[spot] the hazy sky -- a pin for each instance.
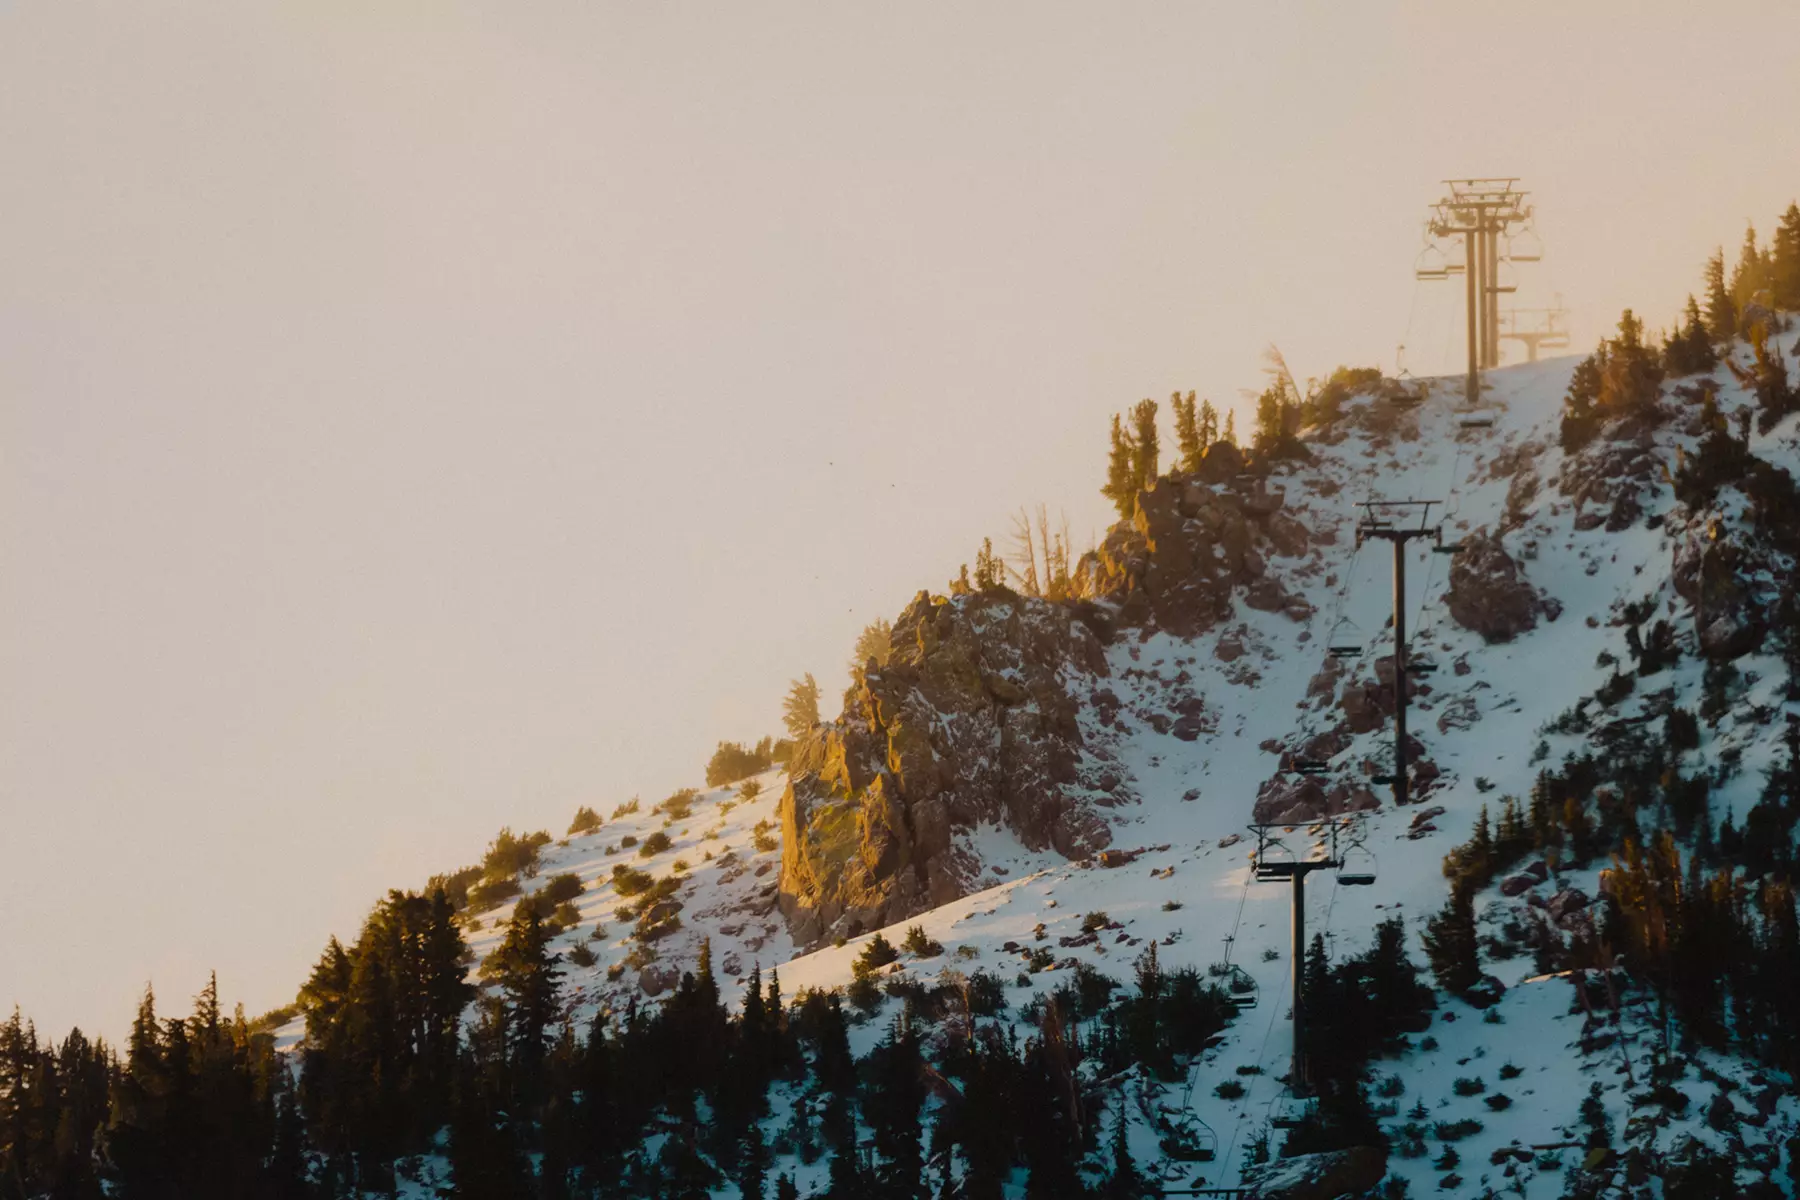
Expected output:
(418, 418)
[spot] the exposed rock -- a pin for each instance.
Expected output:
(1517, 885)
(1565, 902)
(1486, 993)
(1488, 594)
(972, 720)
(1193, 543)
(1709, 571)
(1328, 1176)
(656, 979)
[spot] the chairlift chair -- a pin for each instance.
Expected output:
(1342, 642)
(1525, 246)
(1311, 766)
(1292, 1109)
(1506, 278)
(1189, 1139)
(1358, 869)
(1421, 666)
(1430, 264)
(1274, 861)
(1240, 988)
(1456, 261)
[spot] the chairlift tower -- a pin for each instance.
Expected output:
(1268, 869)
(1536, 328)
(1481, 212)
(1389, 521)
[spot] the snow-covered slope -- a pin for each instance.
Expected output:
(1183, 879)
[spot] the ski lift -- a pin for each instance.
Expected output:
(1343, 643)
(1292, 1109)
(1506, 277)
(1188, 1139)
(1311, 766)
(1525, 246)
(1457, 260)
(1421, 666)
(1240, 988)
(1430, 264)
(1358, 868)
(1447, 548)
(1274, 861)
(1476, 419)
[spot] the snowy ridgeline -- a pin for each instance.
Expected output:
(1483, 718)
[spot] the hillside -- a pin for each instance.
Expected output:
(1172, 741)
(1008, 895)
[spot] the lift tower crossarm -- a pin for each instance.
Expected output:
(1374, 525)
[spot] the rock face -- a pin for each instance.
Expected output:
(1194, 541)
(972, 719)
(1488, 594)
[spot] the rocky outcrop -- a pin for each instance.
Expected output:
(1608, 482)
(1710, 571)
(972, 720)
(1196, 541)
(1488, 593)
(1327, 1176)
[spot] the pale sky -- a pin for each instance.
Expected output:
(420, 418)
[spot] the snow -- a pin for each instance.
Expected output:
(1193, 896)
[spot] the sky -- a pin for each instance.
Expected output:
(422, 418)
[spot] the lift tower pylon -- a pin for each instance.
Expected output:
(1480, 211)
(1378, 524)
(1294, 871)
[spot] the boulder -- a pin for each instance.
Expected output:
(1327, 1176)
(1517, 885)
(1488, 594)
(656, 979)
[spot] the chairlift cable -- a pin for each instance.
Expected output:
(1268, 1032)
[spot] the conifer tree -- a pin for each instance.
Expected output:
(1784, 282)
(753, 1166)
(1689, 349)
(1749, 277)
(1122, 477)
(990, 569)
(1721, 312)
(1230, 434)
(1209, 425)
(527, 972)
(800, 711)
(1187, 432)
(1144, 444)
(1450, 944)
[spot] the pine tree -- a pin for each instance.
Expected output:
(1187, 432)
(1124, 1183)
(1230, 435)
(753, 1166)
(1122, 478)
(1784, 283)
(1450, 944)
(990, 570)
(1689, 350)
(785, 1188)
(1749, 277)
(527, 972)
(1144, 444)
(800, 711)
(1209, 425)
(1721, 312)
